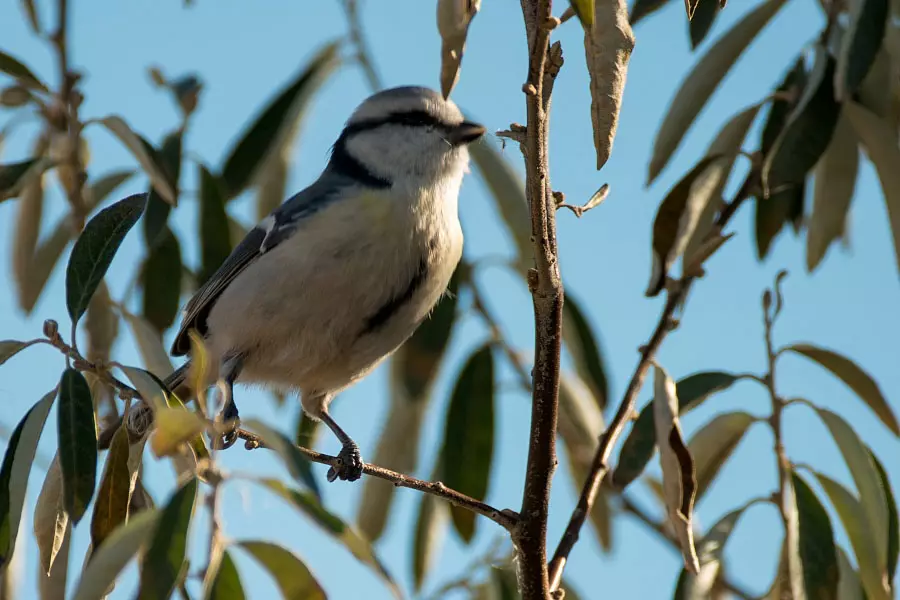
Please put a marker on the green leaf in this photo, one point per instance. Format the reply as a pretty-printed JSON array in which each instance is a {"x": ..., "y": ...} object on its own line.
[
  {"x": 268, "y": 131},
  {"x": 297, "y": 465},
  {"x": 163, "y": 560},
  {"x": 584, "y": 10},
  {"x": 309, "y": 505},
  {"x": 94, "y": 251},
  {"x": 294, "y": 579},
  {"x": 15, "y": 176},
  {"x": 148, "y": 386},
  {"x": 469, "y": 436},
  {"x": 108, "y": 561},
  {"x": 156, "y": 215},
  {"x": 849, "y": 583},
  {"x": 714, "y": 443},
  {"x": 816, "y": 543},
  {"x": 585, "y": 350},
  {"x": 161, "y": 282},
  {"x": 77, "y": 442},
  {"x": 17, "y": 463},
  {"x": 856, "y": 379},
  {"x": 784, "y": 100},
  {"x": 893, "y": 547},
  {"x": 703, "y": 80},
  {"x": 643, "y": 8},
  {"x": 881, "y": 147},
  {"x": 214, "y": 239},
  {"x": 772, "y": 213},
  {"x": 18, "y": 71},
  {"x": 146, "y": 156},
  {"x": 428, "y": 537},
  {"x": 702, "y": 20},
  {"x": 710, "y": 550},
  {"x": 851, "y": 513},
  {"x": 860, "y": 44},
  {"x": 9, "y": 348},
  {"x": 227, "y": 582},
  {"x": 833, "y": 189},
  {"x": 111, "y": 508},
  {"x": 97, "y": 190},
  {"x": 807, "y": 132},
  {"x": 637, "y": 450}
]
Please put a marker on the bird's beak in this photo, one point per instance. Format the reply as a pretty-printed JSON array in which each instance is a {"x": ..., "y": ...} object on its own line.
[{"x": 465, "y": 133}]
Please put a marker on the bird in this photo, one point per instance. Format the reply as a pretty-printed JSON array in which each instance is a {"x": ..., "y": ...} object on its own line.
[{"x": 335, "y": 279}]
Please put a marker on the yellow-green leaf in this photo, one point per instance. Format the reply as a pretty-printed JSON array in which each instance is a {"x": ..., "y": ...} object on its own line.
[
  {"x": 584, "y": 10},
  {"x": 226, "y": 584},
  {"x": 714, "y": 443},
  {"x": 294, "y": 579},
  {"x": 163, "y": 561},
  {"x": 174, "y": 427}
]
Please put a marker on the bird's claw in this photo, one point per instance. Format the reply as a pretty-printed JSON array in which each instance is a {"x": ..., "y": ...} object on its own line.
[
  {"x": 348, "y": 466},
  {"x": 231, "y": 418}
]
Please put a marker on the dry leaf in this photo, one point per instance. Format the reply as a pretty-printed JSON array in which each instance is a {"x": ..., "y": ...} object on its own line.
[
  {"x": 679, "y": 482},
  {"x": 608, "y": 44},
  {"x": 453, "y": 19}
]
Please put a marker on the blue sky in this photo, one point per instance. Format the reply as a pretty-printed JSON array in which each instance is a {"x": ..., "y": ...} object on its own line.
[{"x": 244, "y": 53}]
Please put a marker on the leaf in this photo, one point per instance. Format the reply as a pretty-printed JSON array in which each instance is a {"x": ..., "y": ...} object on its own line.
[
  {"x": 584, "y": 10},
  {"x": 161, "y": 282},
  {"x": 114, "y": 495},
  {"x": 77, "y": 442},
  {"x": 697, "y": 88},
  {"x": 881, "y": 147},
  {"x": 849, "y": 583},
  {"x": 714, "y": 443},
  {"x": 690, "y": 6},
  {"x": 701, "y": 22},
  {"x": 468, "y": 447},
  {"x": 710, "y": 551},
  {"x": 52, "y": 585},
  {"x": 808, "y": 130},
  {"x": 174, "y": 427},
  {"x": 51, "y": 522},
  {"x": 144, "y": 153},
  {"x": 156, "y": 215},
  {"x": 17, "y": 463},
  {"x": 833, "y": 191},
  {"x": 294, "y": 579},
  {"x": 94, "y": 251},
  {"x": 32, "y": 14},
  {"x": 816, "y": 543},
  {"x": 643, "y": 8},
  {"x": 850, "y": 511},
  {"x": 607, "y": 46},
  {"x": 29, "y": 213},
  {"x": 297, "y": 465},
  {"x": 784, "y": 99},
  {"x": 9, "y": 348},
  {"x": 108, "y": 561},
  {"x": 679, "y": 482},
  {"x": 360, "y": 547},
  {"x": 227, "y": 582},
  {"x": 14, "y": 177},
  {"x": 856, "y": 379},
  {"x": 875, "y": 91},
  {"x": 272, "y": 183},
  {"x": 215, "y": 243},
  {"x": 428, "y": 537},
  {"x": 153, "y": 354},
  {"x": 860, "y": 45},
  {"x": 18, "y": 71},
  {"x": 266, "y": 133},
  {"x": 579, "y": 339},
  {"x": 453, "y": 20},
  {"x": 637, "y": 450},
  {"x": 678, "y": 215},
  {"x": 163, "y": 560},
  {"x": 893, "y": 547},
  {"x": 152, "y": 392},
  {"x": 772, "y": 213}
]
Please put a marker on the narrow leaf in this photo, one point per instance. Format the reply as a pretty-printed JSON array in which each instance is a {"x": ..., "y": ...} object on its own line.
[
  {"x": 297, "y": 465},
  {"x": 714, "y": 443},
  {"x": 51, "y": 522},
  {"x": 272, "y": 183},
  {"x": 849, "y": 583},
  {"x": 710, "y": 551},
  {"x": 174, "y": 427},
  {"x": 453, "y": 20},
  {"x": 294, "y": 579},
  {"x": 163, "y": 560},
  {"x": 816, "y": 543},
  {"x": 114, "y": 495},
  {"x": 18, "y": 71},
  {"x": 860, "y": 45},
  {"x": 15, "y": 177},
  {"x": 702, "y": 21},
  {"x": 226, "y": 585},
  {"x": 161, "y": 282},
  {"x": 893, "y": 548},
  {"x": 9, "y": 348},
  {"x": 428, "y": 537},
  {"x": 149, "y": 343},
  {"x": 77, "y": 442},
  {"x": 156, "y": 215},
  {"x": 773, "y": 213},
  {"x": 468, "y": 447},
  {"x": 214, "y": 239},
  {"x": 585, "y": 350},
  {"x": 643, "y": 8},
  {"x": 94, "y": 251},
  {"x": 145, "y": 155},
  {"x": 584, "y": 10}
]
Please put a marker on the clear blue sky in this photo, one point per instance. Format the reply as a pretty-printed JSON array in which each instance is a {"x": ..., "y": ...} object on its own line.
[{"x": 244, "y": 52}]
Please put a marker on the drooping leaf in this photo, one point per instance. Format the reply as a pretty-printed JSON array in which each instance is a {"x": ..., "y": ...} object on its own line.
[
  {"x": 637, "y": 450},
  {"x": 875, "y": 92},
  {"x": 174, "y": 427},
  {"x": 145, "y": 154},
  {"x": 361, "y": 548},
  {"x": 679, "y": 480},
  {"x": 29, "y": 214},
  {"x": 585, "y": 350},
  {"x": 9, "y": 348},
  {"x": 52, "y": 585},
  {"x": 226, "y": 585},
  {"x": 584, "y": 10},
  {"x": 272, "y": 184},
  {"x": 860, "y": 45},
  {"x": 881, "y": 147},
  {"x": 702, "y": 21},
  {"x": 816, "y": 543},
  {"x": 149, "y": 343},
  {"x": 215, "y": 243},
  {"x": 51, "y": 521},
  {"x": 714, "y": 443},
  {"x": 297, "y": 465},
  {"x": 856, "y": 379},
  {"x": 710, "y": 550},
  {"x": 15, "y": 177},
  {"x": 18, "y": 71},
  {"x": 643, "y": 8},
  {"x": 161, "y": 282},
  {"x": 17, "y": 463},
  {"x": 428, "y": 537},
  {"x": 294, "y": 579},
  {"x": 773, "y": 213},
  {"x": 807, "y": 132},
  {"x": 833, "y": 190},
  {"x": 267, "y": 131},
  {"x": 784, "y": 99},
  {"x": 849, "y": 584},
  {"x": 893, "y": 528},
  {"x": 453, "y": 20},
  {"x": 77, "y": 442},
  {"x": 607, "y": 47},
  {"x": 156, "y": 215},
  {"x": 469, "y": 436},
  {"x": 114, "y": 494},
  {"x": 108, "y": 561},
  {"x": 148, "y": 386},
  {"x": 95, "y": 248},
  {"x": 165, "y": 555},
  {"x": 703, "y": 80}
]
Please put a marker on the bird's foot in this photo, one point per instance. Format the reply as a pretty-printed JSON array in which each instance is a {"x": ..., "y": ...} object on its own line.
[
  {"x": 231, "y": 420},
  {"x": 349, "y": 464}
]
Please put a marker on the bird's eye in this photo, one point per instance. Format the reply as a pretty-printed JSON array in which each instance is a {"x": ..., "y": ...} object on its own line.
[{"x": 417, "y": 120}]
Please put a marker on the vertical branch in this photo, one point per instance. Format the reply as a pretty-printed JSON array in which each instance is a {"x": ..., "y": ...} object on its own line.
[{"x": 547, "y": 292}]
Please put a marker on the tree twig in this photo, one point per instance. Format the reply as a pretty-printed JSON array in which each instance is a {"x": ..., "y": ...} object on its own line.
[{"x": 351, "y": 8}]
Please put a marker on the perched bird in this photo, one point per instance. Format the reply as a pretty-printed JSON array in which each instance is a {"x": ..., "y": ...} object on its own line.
[{"x": 340, "y": 275}]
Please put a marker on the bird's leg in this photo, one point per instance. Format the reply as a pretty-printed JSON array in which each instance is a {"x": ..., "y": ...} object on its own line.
[
  {"x": 229, "y": 372},
  {"x": 350, "y": 463}
]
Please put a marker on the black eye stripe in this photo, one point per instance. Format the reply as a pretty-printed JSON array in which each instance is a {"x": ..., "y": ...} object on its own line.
[{"x": 413, "y": 118}]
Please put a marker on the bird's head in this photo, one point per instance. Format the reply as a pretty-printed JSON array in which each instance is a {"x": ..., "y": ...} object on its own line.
[{"x": 406, "y": 134}]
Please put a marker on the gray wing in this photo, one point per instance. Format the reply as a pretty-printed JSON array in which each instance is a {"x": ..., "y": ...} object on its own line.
[{"x": 274, "y": 229}]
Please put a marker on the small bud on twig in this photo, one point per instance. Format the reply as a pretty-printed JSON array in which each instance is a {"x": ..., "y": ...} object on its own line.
[{"x": 51, "y": 329}]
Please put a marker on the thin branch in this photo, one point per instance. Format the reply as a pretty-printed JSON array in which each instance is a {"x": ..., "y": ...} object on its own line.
[
  {"x": 600, "y": 465},
  {"x": 363, "y": 56}
]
